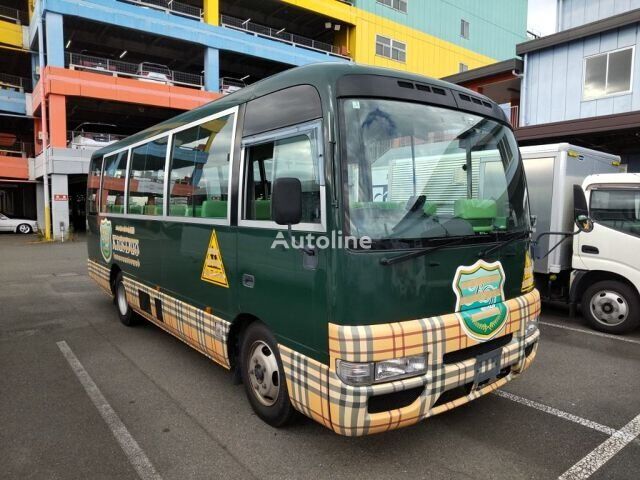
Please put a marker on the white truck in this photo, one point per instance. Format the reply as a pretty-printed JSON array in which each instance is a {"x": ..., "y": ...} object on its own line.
[{"x": 587, "y": 226}]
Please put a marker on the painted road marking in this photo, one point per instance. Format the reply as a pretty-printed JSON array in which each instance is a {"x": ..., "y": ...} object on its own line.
[
  {"x": 558, "y": 413},
  {"x": 132, "y": 450},
  {"x": 593, "y": 332},
  {"x": 603, "y": 452}
]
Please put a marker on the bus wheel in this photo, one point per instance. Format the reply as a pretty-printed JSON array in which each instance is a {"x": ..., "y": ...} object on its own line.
[
  {"x": 126, "y": 314},
  {"x": 611, "y": 306},
  {"x": 263, "y": 376}
]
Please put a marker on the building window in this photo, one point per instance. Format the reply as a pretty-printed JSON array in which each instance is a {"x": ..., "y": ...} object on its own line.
[
  {"x": 464, "y": 29},
  {"x": 463, "y": 67},
  {"x": 400, "y": 5},
  {"x": 608, "y": 74},
  {"x": 393, "y": 49}
]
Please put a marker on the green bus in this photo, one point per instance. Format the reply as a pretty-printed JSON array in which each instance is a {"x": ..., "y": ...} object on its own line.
[{"x": 351, "y": 242}]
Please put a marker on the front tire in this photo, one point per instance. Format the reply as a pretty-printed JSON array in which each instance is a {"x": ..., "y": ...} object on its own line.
[
  {"x": 263, "y": 376},
  {"x": 611, "y": 306},
  {"x": 24, "y": 228},
  {"x": 125, "y": 313}
]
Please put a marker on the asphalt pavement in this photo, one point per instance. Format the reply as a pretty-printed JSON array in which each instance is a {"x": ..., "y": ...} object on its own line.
[{"x": 574, "y": 414}]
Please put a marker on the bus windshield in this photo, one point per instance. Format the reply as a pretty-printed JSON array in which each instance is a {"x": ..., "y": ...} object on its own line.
[{"x": 419, "y": 172}]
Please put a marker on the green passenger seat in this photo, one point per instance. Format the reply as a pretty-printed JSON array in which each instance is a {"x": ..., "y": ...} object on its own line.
[
  {"x": 263, "y": 209},
  {"x": 479, "y": 213},
  {"x": 198, "y": 211},
  {"x": 214, "y": 209},
  {"x": 430, "y": 209},
  {"x": 135, "y": 209},
  {"x": 118, "y": 209},
  {"x": 178, "y": 210}
]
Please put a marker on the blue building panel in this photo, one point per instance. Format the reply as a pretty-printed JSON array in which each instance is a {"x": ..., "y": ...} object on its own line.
[
  {"x": 12, "y": 101},
  {"x": 554, "y": 80},
  {"x": 573, "y": 13},
  {"x": 159, "y": 23}
]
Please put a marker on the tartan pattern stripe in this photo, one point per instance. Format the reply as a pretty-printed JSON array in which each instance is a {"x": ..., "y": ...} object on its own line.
[
  {"x": 435, "y": 335},
  {"x": 100, "y": 274},
  {"x": 203, "y": 331}
]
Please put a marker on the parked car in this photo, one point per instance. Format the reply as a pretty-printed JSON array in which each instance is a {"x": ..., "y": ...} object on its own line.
[
  {"x": 92, "y": 136},
  {"x": 154, "y": 72},
  {"x": 17, "y": 225}
]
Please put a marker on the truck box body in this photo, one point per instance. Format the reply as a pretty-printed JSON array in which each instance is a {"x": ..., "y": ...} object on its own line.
[{"x": 551, "y": 171}]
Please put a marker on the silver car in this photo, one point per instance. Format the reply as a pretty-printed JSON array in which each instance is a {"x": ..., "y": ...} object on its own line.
[{"x": 18, "y": 225}]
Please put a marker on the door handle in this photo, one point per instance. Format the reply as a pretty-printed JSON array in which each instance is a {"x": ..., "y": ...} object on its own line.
[
  {"x": 248, "y": 280},
  {"x": 590, "y": 249}
]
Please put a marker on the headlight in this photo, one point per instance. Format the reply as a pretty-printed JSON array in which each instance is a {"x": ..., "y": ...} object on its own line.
[
  {"x": 358, "y": 374},
  {"x": 532, "y": 327}
]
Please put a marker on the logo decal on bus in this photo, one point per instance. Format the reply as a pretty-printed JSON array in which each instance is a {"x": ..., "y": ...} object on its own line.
[
  {"x": 479, "y": 290},
  {"x": 105, "y": 239},
  {"x": 213, "y": 268}
]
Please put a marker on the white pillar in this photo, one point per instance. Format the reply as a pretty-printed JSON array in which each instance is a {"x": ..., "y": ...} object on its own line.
[
  {"x": 60, "y": 205},
  {"x": 40, "y": 206}
]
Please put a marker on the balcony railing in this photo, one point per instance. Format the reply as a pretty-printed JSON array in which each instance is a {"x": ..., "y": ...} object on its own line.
[
  {"x": 13, "y": 82},
  {"x": 144, "y": 71},
  {"x": 280, "y": 35},
  {"x": 229, "y": 85},
  {"x": 14, "y": 15},
  {"x": 513, "y": 114},
  {"x": 18, "y": 149},
  {"x": 169, "y": 6},
  {"x": 91, "y": 140}
]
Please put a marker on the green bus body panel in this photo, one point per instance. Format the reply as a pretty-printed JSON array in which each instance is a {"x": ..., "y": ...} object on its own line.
[{"x": 347, "y": 287}]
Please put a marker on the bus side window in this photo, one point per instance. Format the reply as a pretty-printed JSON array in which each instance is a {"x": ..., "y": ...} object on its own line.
[
  {"x": 295, "y": 156},
  {"x": 113, "y": 183},
  {"x": 199, "y": 178},
  {"x": 93, "y": 185},
  {"x": 146, "y": 178}
]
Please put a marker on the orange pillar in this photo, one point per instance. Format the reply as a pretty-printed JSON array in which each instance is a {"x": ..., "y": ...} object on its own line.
[{"x": 58, "y": 120}]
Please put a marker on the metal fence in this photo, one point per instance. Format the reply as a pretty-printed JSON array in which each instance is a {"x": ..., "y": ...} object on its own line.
[
  {"x": 281, "y": 35},
  {"x": 144, "y": 71},
  {"x": 229, "y": 85},
  {"x": 18, "y": 149},
  {"x": 169, "y": 6},
  {"x": 14, "y": 15},
  {"x": 13, "y": 82}
]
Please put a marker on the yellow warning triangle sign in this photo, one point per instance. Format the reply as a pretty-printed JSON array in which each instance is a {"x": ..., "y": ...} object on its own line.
[{"x": 213, "y": 268}]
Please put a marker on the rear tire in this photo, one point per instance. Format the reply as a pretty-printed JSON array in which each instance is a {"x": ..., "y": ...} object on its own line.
[
  {"x": 611, "y": 306},
  {"x": 24, "y": 228},
  {"x": 126, "y": 314},
  {"x": 263, "y": 376}
]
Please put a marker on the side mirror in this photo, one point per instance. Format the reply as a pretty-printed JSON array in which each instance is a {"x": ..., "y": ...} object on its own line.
[
  {"x": 581, "y": 210},
  {"x": 286, "y": 201}
]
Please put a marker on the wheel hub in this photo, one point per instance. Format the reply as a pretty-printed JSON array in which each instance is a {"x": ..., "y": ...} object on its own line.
[
  {"x": 609, "y": 307},
  {"x": 263, "y": 373}
]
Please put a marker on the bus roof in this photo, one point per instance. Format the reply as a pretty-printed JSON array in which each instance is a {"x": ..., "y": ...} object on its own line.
[{"x": 317, "y": 74}]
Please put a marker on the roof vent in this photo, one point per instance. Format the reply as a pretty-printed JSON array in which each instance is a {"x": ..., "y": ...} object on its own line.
[
  {"x": 423, "y": 88},
  {"x": 404, "y": 84},
  {"x": 439, "y": 91}
]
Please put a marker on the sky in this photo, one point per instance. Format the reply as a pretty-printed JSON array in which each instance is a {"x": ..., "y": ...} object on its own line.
[{"x": 542, "y": 16}]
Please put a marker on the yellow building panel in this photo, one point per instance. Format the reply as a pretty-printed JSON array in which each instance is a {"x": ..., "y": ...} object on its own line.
[
  {"x": 426, "y": 54},
  {"x": 10, "y": 34}
]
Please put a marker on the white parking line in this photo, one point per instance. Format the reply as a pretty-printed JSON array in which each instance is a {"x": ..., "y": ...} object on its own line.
[
  {"x": 593, "y": 332},
  {"x": 132, "y": 450},
  {"x": 603, "y": 452},
  {"x": 558, "y": 413}
]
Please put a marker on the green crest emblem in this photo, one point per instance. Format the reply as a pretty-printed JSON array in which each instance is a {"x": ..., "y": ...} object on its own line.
[
  {"x": 479, "y": 290},
  {"x": 105, "y": 239}
]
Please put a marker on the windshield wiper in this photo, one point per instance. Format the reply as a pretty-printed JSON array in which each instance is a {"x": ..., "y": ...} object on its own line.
[
  {"x": 418, "y": 253},
  {"x": 514, "y": 238}
]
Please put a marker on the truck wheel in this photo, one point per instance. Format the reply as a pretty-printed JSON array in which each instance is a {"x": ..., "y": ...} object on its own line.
[
  {"x": 263, "y": 376},
  {"x": 611, "y": 306},
  {"x": 126, "y": 314}
]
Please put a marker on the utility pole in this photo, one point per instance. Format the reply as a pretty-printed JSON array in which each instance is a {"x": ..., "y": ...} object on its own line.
[{"x": 44, "y": 130}]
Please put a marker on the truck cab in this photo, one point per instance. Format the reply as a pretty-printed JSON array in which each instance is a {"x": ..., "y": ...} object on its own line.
[{"x": 605, "y": 261}]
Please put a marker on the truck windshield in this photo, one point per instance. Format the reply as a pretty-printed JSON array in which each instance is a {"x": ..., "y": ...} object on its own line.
[{"x": 417, "y": 173}]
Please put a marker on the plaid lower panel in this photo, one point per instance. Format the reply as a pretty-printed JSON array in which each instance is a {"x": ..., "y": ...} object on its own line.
[
  {"x": 201, "y": 330},
  {"x": 347, "y": 406},
  {"x": 100, "y": 274}
]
